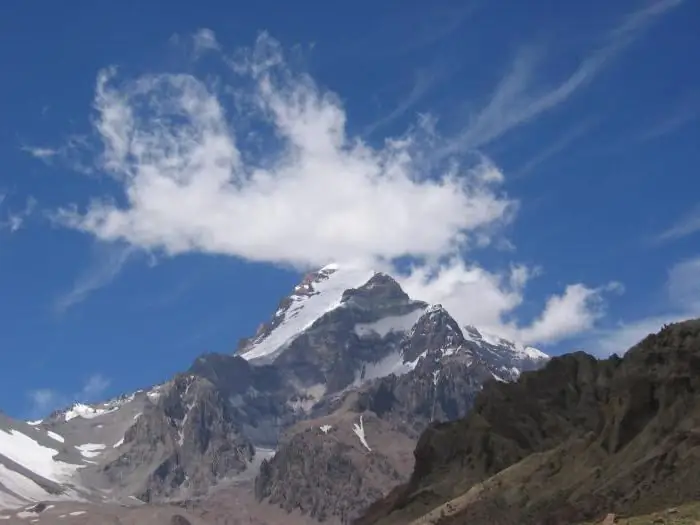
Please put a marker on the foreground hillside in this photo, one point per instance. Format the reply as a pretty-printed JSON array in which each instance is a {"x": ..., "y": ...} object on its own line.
[{"x": 570, "y": 443}]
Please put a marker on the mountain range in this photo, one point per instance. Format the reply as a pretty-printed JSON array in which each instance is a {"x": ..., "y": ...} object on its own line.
[
  {"x": 355, "y": 403},
  {"x": 317, "y": 414}
]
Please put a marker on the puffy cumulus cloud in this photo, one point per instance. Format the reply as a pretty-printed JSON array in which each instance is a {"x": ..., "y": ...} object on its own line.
[
  {"x": 473, "y": 295},
  {"x": 574, "y": 311},
  {"x": 682, "y": 301},
  {"x": 315, "y": 195},
  {"x": 265, "y": 169}
]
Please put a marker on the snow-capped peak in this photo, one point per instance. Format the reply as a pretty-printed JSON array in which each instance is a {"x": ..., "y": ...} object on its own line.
[{"x": 318, "y": 293}]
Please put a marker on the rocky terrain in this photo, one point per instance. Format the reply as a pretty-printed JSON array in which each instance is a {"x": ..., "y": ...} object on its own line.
[
  {"x": 570, "y": 443},
  {"x": 314, "y": 417}
]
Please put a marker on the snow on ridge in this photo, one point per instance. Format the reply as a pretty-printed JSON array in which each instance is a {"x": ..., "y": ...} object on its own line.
[
  {"x": 307, "y": 308},
  {"x": 86, "y": 411},
  {"x": 91, "y": 411},
  {"x": 519, "y": 350}
]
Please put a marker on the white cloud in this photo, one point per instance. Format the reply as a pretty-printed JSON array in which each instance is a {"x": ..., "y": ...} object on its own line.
[
  {"x": 320, "y": 196},
  {"x": 94, "y": 387},
  {"x": 196, "y": 179},
  {"x": 517, "y": 100},
  {"x": 687, "y": 225},
  {"x": 424, "y": 81},
  {"x": 682, "y": 301},
  {"x": 106, "y": 263},
  {"x": 41, "y": 153},
  {"x": 14, "y": 220},
  {"x": 43, "y": 401},
  {"x": 476, "y": 296},
  {"x": 573, "y": 312},
  {"x": 204, "y": 40}
]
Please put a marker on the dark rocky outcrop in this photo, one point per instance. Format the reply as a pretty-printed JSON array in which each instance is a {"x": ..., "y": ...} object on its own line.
[{"x": 568, "y": 443}]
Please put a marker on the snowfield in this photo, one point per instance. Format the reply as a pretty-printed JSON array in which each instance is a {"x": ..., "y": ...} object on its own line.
[{"x": 309, "y": 302}]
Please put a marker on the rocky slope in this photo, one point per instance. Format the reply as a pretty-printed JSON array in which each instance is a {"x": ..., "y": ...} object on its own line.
[
  {"x": 568, "y": 443},
  {"x": 341, "y": 382}
]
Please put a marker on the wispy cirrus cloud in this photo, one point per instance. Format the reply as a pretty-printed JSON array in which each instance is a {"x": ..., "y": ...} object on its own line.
[
  {"x": 684, "y": 112},
  {"x": 561, "y": 143},
  {"x": 410, "y": 31},
  {"x": 13, "y": 220},
  {"x": 107, "y": 261},
  {"x": 687, "y": 225},
  {"x": 424, "y": 81},
  {"x": 73, "y": 152},
  {"x": 518, "y": 99},
  {"x": 38, "y": 152}
]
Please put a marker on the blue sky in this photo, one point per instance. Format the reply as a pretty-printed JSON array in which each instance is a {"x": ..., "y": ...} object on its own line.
[{"x": 167, "y": 174}]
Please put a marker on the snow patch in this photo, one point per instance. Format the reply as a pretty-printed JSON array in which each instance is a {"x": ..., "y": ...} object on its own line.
[
  {"x": 77, "y": 513},
  {"x": 359, "y": 431},
  {"x": 91, "y": 450},
  {"x": 37, "y": 458},
  {"x": 154, "y": 394},
  {"x": 325, "y": 428},
  {"x": 391, "y": 364},
  {"x": 56, "y": 437},
  {"x": 118, "y": 443}
]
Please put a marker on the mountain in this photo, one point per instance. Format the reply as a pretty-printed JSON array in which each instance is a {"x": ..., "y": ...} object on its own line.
[
  {"x": 436, "y": 373},
  {"x": 572, "y": 442},
  {"x": 311, "y": 419}
]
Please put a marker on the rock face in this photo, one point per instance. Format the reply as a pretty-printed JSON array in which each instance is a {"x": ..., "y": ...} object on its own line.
[
  {"x": 341, "y": 382},
  {"x": 187, "y": 440},
  {"x": 437, "y": 375},
  {"x": 568, "y": 443}
]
